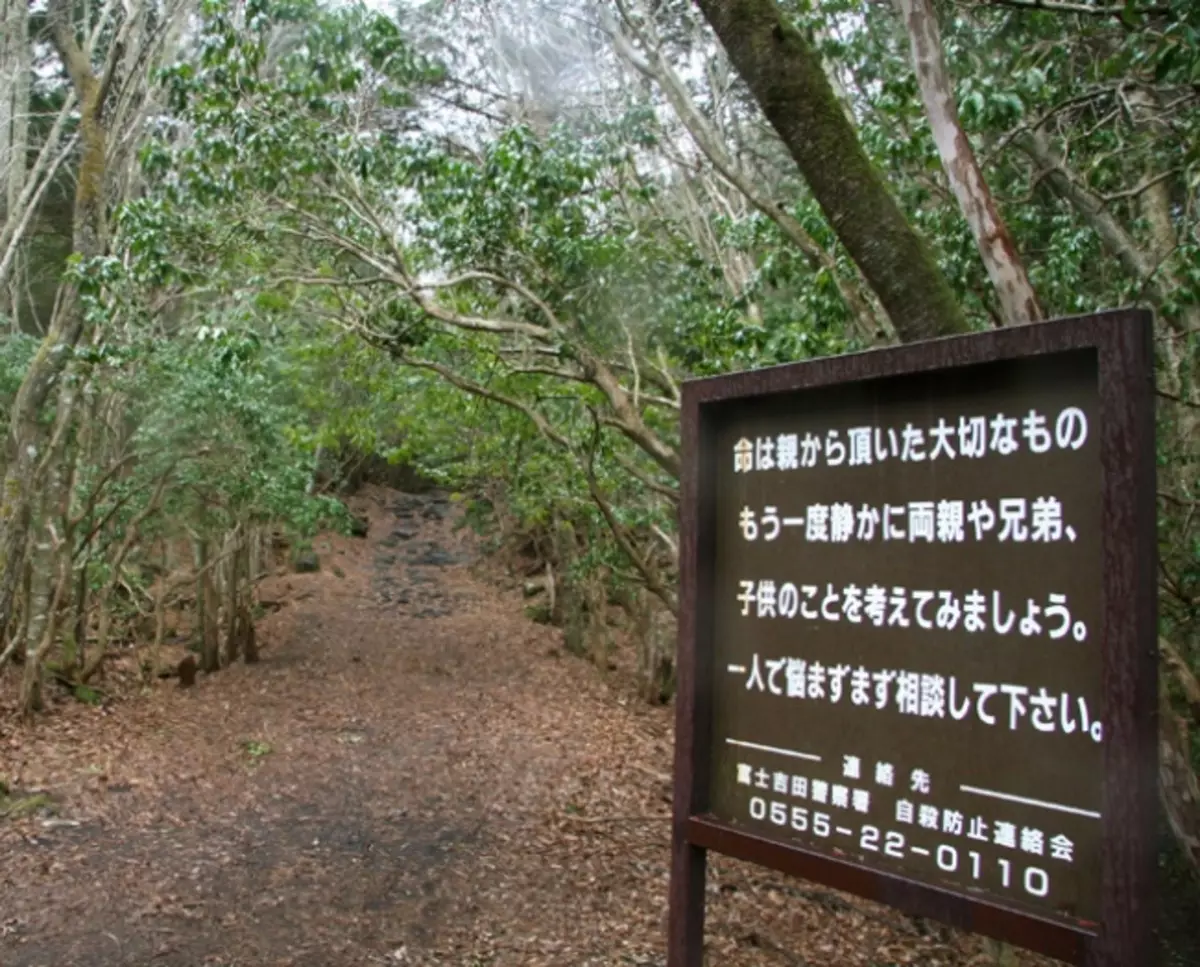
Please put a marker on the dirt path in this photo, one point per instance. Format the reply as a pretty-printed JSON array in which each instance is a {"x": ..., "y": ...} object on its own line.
[{"x": 414, "y": 774}]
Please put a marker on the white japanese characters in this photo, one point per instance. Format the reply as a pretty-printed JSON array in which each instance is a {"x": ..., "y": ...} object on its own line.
[
  {"x": 917, "y": 616},
  {"x": 968, "y": 438},
  {"x": 973, "y": 845},
  {"x": 974, "y": 611},
  {"x": 1015, "y": 520},
  {"x": 932, "y": 696}
]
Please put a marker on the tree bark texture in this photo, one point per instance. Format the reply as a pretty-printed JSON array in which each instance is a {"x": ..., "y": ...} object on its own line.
[
  {"x": 206, "y": 610},
  {"x": 25, "y": 433},
  {"x": 788, "y": 81},
  {"x": 231, "y": 592},
  {"x": 15, "y": 70},
  {"x": 997, "y": 249},
  {"x": 653, "y": 65}
]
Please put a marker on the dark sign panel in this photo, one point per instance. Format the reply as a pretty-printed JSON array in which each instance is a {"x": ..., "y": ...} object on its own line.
[
  {"x": 906, "y": 675},
  {"x": 907, "y": 601}
]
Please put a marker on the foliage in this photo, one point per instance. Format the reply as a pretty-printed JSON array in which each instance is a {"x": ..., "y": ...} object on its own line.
[
  {"x": 16, "y": 350},
  {"x": 357, "y": 232}
]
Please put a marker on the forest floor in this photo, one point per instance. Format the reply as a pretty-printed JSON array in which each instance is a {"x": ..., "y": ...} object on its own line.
[{"x": 415, "y": 774}]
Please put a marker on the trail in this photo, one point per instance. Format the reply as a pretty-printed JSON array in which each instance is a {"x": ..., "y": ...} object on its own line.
[{"x": 414, "y": 774}]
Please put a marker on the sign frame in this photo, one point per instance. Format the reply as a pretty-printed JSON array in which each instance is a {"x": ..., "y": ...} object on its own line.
[{"x": 1123, "y": 342}]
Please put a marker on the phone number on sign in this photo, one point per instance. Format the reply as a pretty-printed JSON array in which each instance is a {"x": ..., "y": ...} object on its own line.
[{"x": 949, "y": 858}]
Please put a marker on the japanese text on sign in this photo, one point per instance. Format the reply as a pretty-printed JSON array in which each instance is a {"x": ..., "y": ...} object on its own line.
[{"x": 905, "y": 627}]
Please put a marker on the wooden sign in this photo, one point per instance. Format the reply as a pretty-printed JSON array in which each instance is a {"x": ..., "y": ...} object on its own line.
[{"x": 917, "y": 636}]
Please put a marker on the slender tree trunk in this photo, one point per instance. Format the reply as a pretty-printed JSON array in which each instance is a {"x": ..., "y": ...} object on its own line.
[
  {"x": 19, "y": 68},
  {"x": 26, "y": 435},
  {"x": 255, "y": 554},
  {"x": 232, "y": 595},
  {"x": 787, "y": 79},
  {"x": 247, "y": 633},
  {"x": 79, "y": 616},
  {"x": 206, "y": 609},
  {"x": 997, "y": 249},
  {"x": 8, "y": 41},
  {"x": 211, "y": 657},
  {"x": 200, "y": 563},
  {"x": 41, "y": 591},
  {"x": 15, "y": 70},
  {"x": 16, "y": 641},
  {"x": 26, "y": 595},
  {"x": 132, "y": 535},
  {"x": 31, "y": 701},
  {"x": 657, "y": 68},
  {"x": 160, "y": 611},
  {"x": 51, "y": 575},
  {"x": 51, "y": 552}
]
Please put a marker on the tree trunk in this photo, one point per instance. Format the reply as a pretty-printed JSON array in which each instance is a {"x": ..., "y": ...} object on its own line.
[
  {"x": 232, "y": 595},
  {"x": 19, "y": 67},
  {"x": 51, "y": 554},
  {"x": 31, "y": 698},
  {"x": 788, "y": 81},
  {"x": 255, "y": 546},
  {"x": 247, "y": 632},
  {"x": 1178, "y": 786},
  {"x": 15, "y": 69},
  {"x": 9, "y": 38},
  {"x": 51, "y": 577},
  {"x": 206, "y": 610},
  {"x": 150, "y": 669},
  {"x": 657, "y": 68},
  {"x": 40, "y": 593},
  {"x": 26, "y": 593},
  {"x": 1018, "y": 301},
  {"x": 66, "y": 326}
]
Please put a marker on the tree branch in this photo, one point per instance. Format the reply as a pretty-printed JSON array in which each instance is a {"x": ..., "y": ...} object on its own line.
[
  {"x": 996, "y": 246},
  {"x": 1083, "y": 9},
  {"x": 1068, "y": 183},
  {"x": 788, "y": 80},
  {"x": 655, "y": 67},
  {"x": 649, "y": 574}
]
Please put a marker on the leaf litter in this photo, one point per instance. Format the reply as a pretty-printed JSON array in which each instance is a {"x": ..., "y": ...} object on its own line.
[{"x": 414, "y": 774}]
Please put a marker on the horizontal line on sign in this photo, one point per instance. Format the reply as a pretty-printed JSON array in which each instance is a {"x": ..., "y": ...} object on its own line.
[
  {"x": 844, "y": 831},
  {"x": 1025, "y": 800},
  {"x": 736, "y": 669},
  {"x": 918, "y": 850},
  {"x": 793, "y": 522},
  {"x": 770, "y": 748}
]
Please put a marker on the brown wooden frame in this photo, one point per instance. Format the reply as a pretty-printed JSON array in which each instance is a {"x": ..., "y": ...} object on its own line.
[{"x": 1123, "y": 340}]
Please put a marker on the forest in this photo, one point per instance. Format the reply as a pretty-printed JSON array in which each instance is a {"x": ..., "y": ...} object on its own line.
[{"x": 255, "y": 253}]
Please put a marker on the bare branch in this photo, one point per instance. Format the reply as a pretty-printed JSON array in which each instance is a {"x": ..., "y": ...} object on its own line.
[
  {"x": 646, "y": 480},
  {"x": 656, "y": 68},
  {"x": 1141, "y": 187},
  {"x": 1070, "y": 185},
  {"x": 478, "y": 389},
  {"x": 1083, "y": 9},
  {"x": 62, "y": 32},
  {"x": 649, "y": 573}
]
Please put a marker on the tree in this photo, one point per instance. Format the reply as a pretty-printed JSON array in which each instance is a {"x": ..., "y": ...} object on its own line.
[
  {"x": 997, "y": 249},
  {"x": 789, "y": 82},
  {"x": 131, "y": 48}
]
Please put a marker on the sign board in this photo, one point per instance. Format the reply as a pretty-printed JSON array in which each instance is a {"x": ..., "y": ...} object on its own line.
[{"x": 918, "y": 632}]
